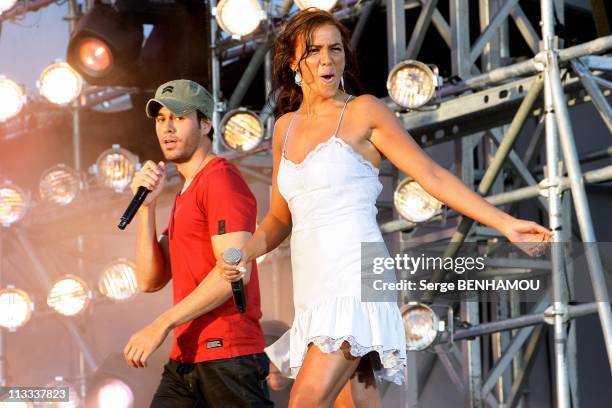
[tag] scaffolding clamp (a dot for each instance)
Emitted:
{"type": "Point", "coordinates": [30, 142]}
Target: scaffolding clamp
{"type": "Point", "coordinates": [552, 311]}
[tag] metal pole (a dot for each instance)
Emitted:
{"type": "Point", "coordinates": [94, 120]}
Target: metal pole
{"type": "Point", "coordinates": [215, 68]}
{"type": "Point", "coordinates": [364, 16]}
{"type": "Point", "coordinates": [528, 67]}
{"type": "Point", "coordinates": [599, 100]}
{"type": "Point", "coordinates": [583, 212]}
{"type": "Point", "coordinates": [559, 304]}
{"type": "Point", "coordinates": [525, 193]}
{"type": "Point", "coordinates": [521, 321]}
{"type": "Point", "coordinates": [249, 74]}
{"type": "Point", "coordinates": [396, 32]}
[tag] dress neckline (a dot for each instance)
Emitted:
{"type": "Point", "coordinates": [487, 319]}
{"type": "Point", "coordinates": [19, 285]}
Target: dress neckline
{"type": "Point", "coordinates": [339, 141]}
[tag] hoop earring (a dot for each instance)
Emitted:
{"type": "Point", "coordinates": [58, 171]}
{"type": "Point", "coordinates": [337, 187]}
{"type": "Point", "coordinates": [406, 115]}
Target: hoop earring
{"type": "Point", "coordinates": [298, 78]}
{"type": "Point", "coordinates": [342, 83]}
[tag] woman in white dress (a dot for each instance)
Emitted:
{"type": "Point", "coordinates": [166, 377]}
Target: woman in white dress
{"type": "Point", "coordinates": [327, 147]}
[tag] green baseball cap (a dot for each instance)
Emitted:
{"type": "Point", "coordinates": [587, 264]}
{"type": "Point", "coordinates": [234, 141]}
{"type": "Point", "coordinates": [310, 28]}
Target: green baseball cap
{"type": "Point", "coordinates": [181, 97]}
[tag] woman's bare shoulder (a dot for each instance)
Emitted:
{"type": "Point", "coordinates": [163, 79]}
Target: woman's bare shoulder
{"type": "Point", "coordinates": [280, 127]}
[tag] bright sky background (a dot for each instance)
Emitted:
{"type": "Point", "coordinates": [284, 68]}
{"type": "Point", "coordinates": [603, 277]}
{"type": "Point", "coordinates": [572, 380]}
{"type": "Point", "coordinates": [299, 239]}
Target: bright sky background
{"type": "Point", "coordinates": [28, 45]}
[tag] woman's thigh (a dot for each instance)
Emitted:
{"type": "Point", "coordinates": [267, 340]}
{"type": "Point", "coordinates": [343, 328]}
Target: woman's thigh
{"type": "Point", "coordinates": [322, 376]}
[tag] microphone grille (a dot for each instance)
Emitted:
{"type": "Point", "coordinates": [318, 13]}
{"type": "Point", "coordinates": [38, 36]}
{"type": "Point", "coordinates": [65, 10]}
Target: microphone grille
{"type": "Point", "coordinates": [232, 256]}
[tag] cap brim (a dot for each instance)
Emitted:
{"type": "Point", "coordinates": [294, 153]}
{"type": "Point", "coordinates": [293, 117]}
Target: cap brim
{"type": "Point", "coordinates": [175, 106]}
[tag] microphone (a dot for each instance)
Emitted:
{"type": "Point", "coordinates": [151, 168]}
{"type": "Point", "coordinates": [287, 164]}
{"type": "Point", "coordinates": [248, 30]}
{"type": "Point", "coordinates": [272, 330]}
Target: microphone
{"type": "Point", "coordinates": [233, 256]}
{"type": "Point", "coordinates": [132, 209]}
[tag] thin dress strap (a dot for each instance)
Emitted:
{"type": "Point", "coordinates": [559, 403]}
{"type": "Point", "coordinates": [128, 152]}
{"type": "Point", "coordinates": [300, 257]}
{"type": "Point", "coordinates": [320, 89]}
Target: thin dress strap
{"type": "Point", "coordinates": [287, 134]}
{"type": "Point", "coordinates": [342, 115]}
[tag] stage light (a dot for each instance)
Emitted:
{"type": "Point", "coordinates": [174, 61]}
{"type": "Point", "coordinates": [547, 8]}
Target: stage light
{"type": "Point", "coordinates": [241, 130]}
{"type": "Point", "coordinates": [6, 5]}
{"type": "Point", "coordinates": [16, 404]}
{"type": "Point", "coordinates": [115, 168]}
{"type": "Point", "coordinates": [15, 308]}
{"type": "Point", "coordinates": [59, 185]}
{"type": "Point", "coordinates": [74, 400]}
{"type": "Point", "coordinates": [113, 384]}
{"type": "Point", "coordinates": [105, 46]}
{"type": "Point", "coordinates": [414, 203]}
{"type": "Point", "coordinates": [411, 84]}
{"type": "Point", "coordinates": [114, 393]}
{"type": "Point", "coordinates": [239, 17]}
{"type": "Point", "coordinates": [69, 295]}
{"type": "Point", "coordinates": [60, 84]}
{"type": "Point", "coordinates": [12, 98]}
{"type": "Point", "coordinates": [422, 326]}
{"type": "Point", "coordinates": [326, 5]}
{"type": "Point", "coordinates": [118, 280]}
{"type": "Point", "coordinates": [13, 204]}
{"type": "Point", "coordinates": [94, 55]}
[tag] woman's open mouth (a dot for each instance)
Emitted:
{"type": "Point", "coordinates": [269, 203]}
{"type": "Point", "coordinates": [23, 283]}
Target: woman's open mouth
{"type": "Point", "coordinates": [328, 78]}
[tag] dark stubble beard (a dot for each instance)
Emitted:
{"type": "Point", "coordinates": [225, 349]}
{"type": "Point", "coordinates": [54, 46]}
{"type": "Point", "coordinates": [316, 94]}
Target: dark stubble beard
{"type": "Point", "coordinates": [185, 155]}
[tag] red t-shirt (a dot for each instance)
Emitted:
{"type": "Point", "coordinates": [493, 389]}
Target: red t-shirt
{"type": "Point", "coordinates": [217, 194]}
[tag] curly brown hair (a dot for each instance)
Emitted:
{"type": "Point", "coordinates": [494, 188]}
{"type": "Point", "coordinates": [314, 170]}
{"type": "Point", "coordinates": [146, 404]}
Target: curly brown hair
{"type": "Point", "coordinates": [302, 25]}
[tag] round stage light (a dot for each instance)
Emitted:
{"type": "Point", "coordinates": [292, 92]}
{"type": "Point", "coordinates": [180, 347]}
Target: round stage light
{"type": "Point", "coordinates": [326, 5]}
{"type": "Point", "coordinates": [74, 400]}
{"type": "Point", "coordinates": [241, 130]}
{"type": "Point", "coordinates": [239, 17]}
{"type": "Point", "coordinates": [95, 57]}
{"type": "Point", "coordinates": [414, 203]}
{"type": "Point", "coordinates": [69, 295]}
{"type": "Point", "coordinates": [16, 404]}
{"type": "Point", "coordinates": [12, 98]}
{"type": "Point", "coordinates": [13, 204]}
{"type": "Point", "coordinates": [118, 280]}
{"type": "Point", "coordinates": [60, 84]}
{"type": "Point", "coordinates": [6, 5]}
{"type": "Point", "coordinates": [59, 185]}
{"type": "Point", "coordinates": [421, 324]}
{"type": "Point", "coordinates": [15, 308]}
{"type": "Point", "coordinates": [112, 392]}
{"type": "Point", "coordinates": [411, 84]}
{"type": "Point", "coordinates": [115, 168]}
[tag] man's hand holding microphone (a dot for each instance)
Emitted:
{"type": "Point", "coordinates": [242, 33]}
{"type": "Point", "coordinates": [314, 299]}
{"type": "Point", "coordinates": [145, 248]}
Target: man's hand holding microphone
{"type": "Point", "coordinates": [146, 186]}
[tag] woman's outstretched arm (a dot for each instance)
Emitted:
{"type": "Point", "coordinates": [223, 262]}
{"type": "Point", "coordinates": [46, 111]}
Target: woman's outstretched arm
{"type": "Point", "coordinates": [392, 140]}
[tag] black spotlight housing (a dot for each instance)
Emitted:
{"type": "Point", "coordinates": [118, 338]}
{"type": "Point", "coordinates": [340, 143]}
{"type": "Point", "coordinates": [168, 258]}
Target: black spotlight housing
{"type": "Point", "coordinates": [108, 46]}
{"type": "Point", "coordinates": [105, 46]}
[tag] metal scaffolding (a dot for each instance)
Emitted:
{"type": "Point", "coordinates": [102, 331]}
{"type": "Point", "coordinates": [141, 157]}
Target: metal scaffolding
{"type": "Point", "coordinates": [489, 99]}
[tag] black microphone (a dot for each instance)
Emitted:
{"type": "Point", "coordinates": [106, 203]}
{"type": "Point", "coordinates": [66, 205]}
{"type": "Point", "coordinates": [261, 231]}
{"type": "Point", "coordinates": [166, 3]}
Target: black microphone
{"type": "Point", "coordinates": [132, 209]}
{"type": "Point", "coordinates": [233, 256]}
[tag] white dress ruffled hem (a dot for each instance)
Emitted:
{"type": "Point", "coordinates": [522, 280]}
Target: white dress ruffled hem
{"type": "Point", "coordinates": [365, 326]}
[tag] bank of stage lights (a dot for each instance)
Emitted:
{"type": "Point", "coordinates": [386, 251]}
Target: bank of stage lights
{"type": "Point", "coordinates": [12, 98]}
{"type": "Point", "coordinates": [15, 308]}
{"type": "Point", "coordinates": [326, 5]}
{"type": "Point", "coordinates": [59, 185]}
{"type": "Point", "coordinates": [415, 204]}
{"type": "Point", "coordinates": [423, 327]}
{"type": "Point", "coordinates": [13, 204]}
{"type": "Point", "coordinates": [412, 84]}
{"type": "Point", "coordinates": [6, 5]}
{"type": "Point", "coordinates": [115, 168]}
{"type": "Point", "coordinates": [69, 295]}
{"type": "Point", "coordinates": [60, 84]}
{"type": "Point", "coordinates": [241, 130]}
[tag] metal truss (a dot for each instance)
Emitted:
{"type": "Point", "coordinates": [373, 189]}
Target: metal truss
{"type": "Point", "coordinates": [495, 101]}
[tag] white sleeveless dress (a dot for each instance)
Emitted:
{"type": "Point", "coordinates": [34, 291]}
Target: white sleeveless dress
{"type": "Point", "coordinates": [332, 195]}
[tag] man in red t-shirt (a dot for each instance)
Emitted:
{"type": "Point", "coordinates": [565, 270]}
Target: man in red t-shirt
{"type": "Point", "coordinates": [217, 354]}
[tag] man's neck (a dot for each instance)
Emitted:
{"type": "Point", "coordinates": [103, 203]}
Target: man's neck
{"type": "Point", "coordinates": [196, 163]}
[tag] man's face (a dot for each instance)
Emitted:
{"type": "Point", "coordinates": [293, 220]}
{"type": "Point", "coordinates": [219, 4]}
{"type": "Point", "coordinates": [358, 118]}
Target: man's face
{"type": "Point", "coordinates": [179, 136]}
